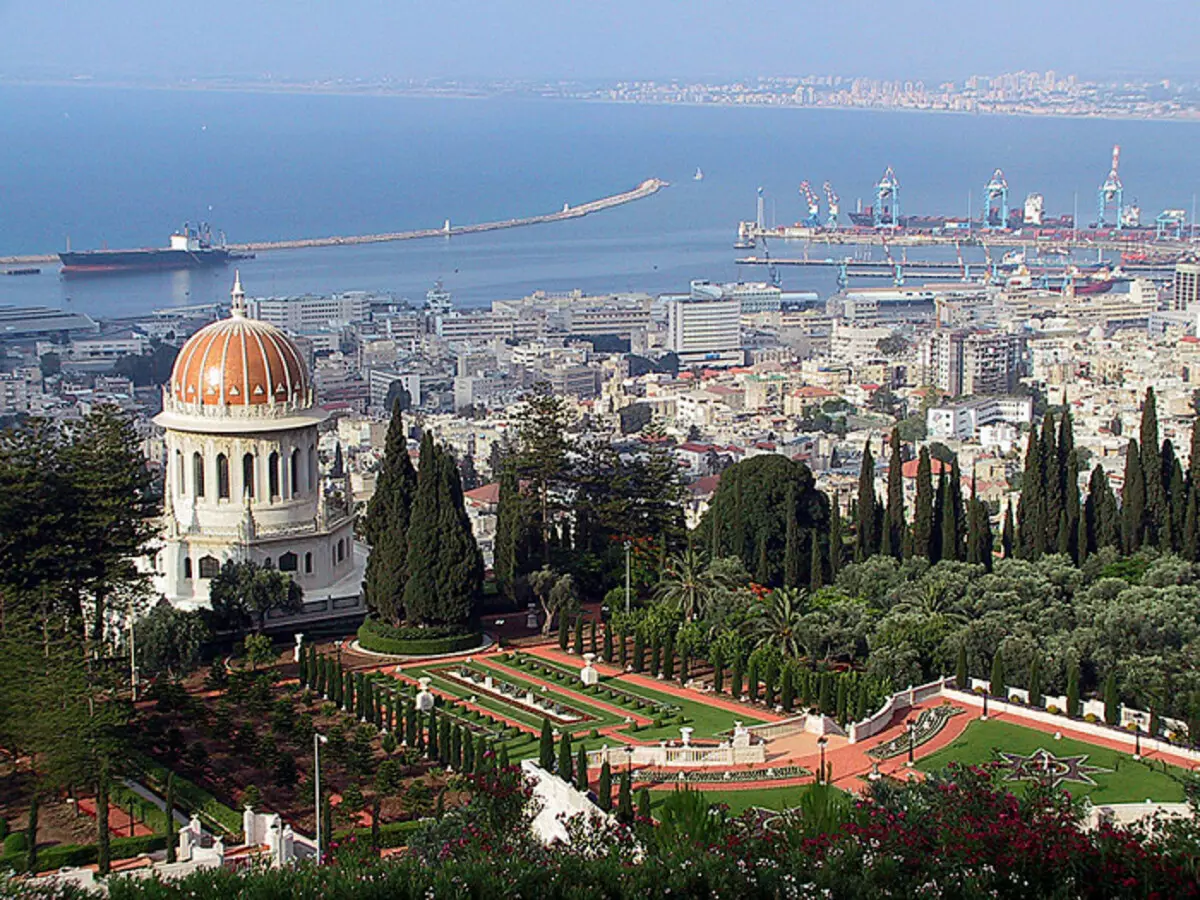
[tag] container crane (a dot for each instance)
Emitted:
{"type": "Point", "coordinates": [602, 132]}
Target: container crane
{"type": "Point", "coordinates": [995, 202]}
{"type": "Point", "coordinates": [1111, 193]}
{"type": "Point", "coordinates": [814, 205]}
{"type": "Point", "coordinates": [831, 201]}
{"type": "Point", "coordinates": [887, 190]}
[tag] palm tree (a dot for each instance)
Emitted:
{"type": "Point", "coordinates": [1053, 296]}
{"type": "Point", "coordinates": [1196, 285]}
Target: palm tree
{"type": "Point", "coordinates": [931, 598]}
{"type": "Point", "coordinates": [690, 584]}
{"type": "Point", "coordinates": [778, 620]}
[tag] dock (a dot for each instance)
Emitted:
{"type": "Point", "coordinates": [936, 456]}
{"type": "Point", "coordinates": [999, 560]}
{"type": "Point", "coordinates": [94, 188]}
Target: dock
{"type": "Point", "coordinates": [647, 188]}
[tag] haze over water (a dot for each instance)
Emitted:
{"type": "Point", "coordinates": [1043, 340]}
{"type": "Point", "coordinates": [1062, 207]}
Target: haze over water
{"type": "Point", "coordinates": [124, 168]}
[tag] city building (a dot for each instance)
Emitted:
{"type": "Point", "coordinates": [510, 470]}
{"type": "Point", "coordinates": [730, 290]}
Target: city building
{"type": "Point", "coordinates": [967, 362]}
{"type": "Point", "coordinates": [311, 312]}
{"type": "Point", "coordinates": [705, 327]}
{"type": "Point", "coordinates": [243, 479]}
{"type": "Point", "coordinates": [1187, 288]}
{"type": "Point", "coordinates": [964, 421]}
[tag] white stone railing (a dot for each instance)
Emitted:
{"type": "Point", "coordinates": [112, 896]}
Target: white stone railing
{"type": "Point", "coordinates": [679, 756]}
{"type": "Point", "coordinates": [906, 699]}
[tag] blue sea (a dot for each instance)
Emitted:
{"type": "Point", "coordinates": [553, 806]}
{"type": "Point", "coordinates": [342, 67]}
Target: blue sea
{"type": "Point", "coordinates": [123, 168]}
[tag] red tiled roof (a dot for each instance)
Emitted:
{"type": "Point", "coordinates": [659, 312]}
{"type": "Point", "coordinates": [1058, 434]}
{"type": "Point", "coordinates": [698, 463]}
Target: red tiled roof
{"type": "Point", "coordinates": [704, 487]}
{"type": "Point", "coordinates": [488, 493]}
{"type": "Point", "coordinates": [936, 467]}
{"type": "Point", "coordinates": [813, 390]}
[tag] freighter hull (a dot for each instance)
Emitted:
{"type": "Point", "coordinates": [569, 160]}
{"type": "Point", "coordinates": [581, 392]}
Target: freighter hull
{"type": "Point", "coordinates": [101, 261]}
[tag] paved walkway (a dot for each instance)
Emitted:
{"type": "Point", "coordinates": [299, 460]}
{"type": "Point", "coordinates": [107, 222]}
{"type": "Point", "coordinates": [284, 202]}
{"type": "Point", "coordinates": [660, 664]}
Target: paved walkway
{"type": "Point", "coordinates": [118, 819]}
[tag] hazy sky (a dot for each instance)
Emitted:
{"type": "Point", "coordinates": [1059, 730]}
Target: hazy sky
{"type": "Point", "coordinates": [931, 39]}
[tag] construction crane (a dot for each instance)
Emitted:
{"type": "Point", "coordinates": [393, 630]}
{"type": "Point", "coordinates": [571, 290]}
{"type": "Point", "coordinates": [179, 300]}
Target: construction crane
{"type": "Point", "coordinates": [887, 190]}
{"type": "Point", "coordinates": [995, 201]}
{"type": "Point", "coordinates": [1111, 193]}
{"type": "Point", "coordinates": [814, 205]}
{"type": "Point", "coordinates": [831, 201]}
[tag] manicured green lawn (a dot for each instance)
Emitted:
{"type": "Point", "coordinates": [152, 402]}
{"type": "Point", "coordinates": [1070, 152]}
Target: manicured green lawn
{"type": "Point", "coordinates": [1126, 781]}
{"type": "Point", "coordinates": [740, 801]}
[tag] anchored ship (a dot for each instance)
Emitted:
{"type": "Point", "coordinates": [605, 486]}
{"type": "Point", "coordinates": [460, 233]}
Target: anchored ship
{"type": "Point", "coordinates": [190, 248]}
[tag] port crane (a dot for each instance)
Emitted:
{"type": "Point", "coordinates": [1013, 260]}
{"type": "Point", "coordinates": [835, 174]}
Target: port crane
{"type": "Point", "coordinates": [995, 201]}
{"type": "Point", "coordinates": [887, 190]}
{"type": "Point", "coordinates": [814, 205]}
{"type": "Point", "coordinates": [831, 201]}
{"type": "Point", "coordinates": [1111, 193]}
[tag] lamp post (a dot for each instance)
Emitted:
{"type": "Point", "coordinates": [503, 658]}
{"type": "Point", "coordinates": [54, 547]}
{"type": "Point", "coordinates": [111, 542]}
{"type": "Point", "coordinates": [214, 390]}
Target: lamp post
{"type": "Point", "coordinates": [1137, 741]}
{"type": "Point", "coordinates": [338, 643]}
{"type": "Point", "coordinates": [912, 731]}
{"type": "Point", "coordinates": [821, 742]}
{"type": "Point", "coordinates": [985, 698]}
{"type": "Point", "coordinates": [629, 763]}
{"type": "Point", "coordinates": [628, 548]}
{"type": "Point", "coordinates": [318, 740]}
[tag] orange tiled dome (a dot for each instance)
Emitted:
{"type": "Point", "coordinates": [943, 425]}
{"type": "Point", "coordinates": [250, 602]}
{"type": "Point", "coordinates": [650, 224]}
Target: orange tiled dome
{"type": "Point", "coordinates": [239, 362]}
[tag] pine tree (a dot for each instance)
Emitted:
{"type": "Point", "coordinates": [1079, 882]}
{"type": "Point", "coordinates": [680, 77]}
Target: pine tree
{"type": "Point", "coordinates": [604, 789]}
{"type": "Point", "coordinates": [516, 533]}
{"type": "Point", "coordinates": [961, 680]}
{"type": "Point", "coordinates": [864, 537]}
{"type": "Point", "coordinates": [625, 801]}
{"type": "Point", "coordinates": [581, 770]}
{"type": "Point", "coordinates": [546, 747]}
{"type": "Point", "coordinates": [816, 565]}
{"type": "Point", "coordinates": [895, 498]}
{"type": "Point", "coordinates": [1112, 700]}
{"type": "Point", "coordinates": [1133, 500]}
{"type": "Point", "coordinates": [385, 525]}
{"type": "Point", "coordinates": [923, 507]}
{"type": "Point", "coordinates": [998, 688]}
{"type": "Point", "coordinates": [1035, 683]}
{"type": "Point", "coordinates": [791, 548]}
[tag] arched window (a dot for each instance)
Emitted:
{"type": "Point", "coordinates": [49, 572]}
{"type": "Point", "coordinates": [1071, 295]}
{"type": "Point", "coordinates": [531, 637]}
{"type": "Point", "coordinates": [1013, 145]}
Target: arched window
{"type": "Point", "coordinates": [341, 550]}
{"type": "Point", "coordinates": [312, 467]}
{"type": "Point", "coordinates": [180, 475]}
{"type": "Point", "coordinates": [209, 567]}
{"type": "Point", "coordinates": [222, 478]}
{"type": "Point", "coordinates": [187, 568]}
{"type": "Point", "coordinates": [198, 473]}
{"type": "Point", "coordinates": [308, 563]}
{"type": "Point", "coordinates": [248, 474]}
{"type": "Point", "coordinates": [273, 475]}
{"type": "Point", "coordinates": [295, 472]}
{"type": "Point", "coordinates": [288, 561]}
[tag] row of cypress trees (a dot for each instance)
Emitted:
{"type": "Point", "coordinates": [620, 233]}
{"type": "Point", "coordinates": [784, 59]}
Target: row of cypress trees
{"type": "Point", "coordinates": [425, 567]}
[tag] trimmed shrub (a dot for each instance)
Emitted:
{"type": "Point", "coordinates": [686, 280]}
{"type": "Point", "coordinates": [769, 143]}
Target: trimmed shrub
{"type": "Point", "coordinates": [379, 637]}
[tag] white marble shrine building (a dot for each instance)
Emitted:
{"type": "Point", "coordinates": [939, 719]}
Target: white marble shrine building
{"type": "Point", "coordinates": [243, 476]}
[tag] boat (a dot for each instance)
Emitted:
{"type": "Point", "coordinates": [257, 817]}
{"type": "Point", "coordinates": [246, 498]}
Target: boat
{"type": "Point", "coordinates": [699, 176]}
{"type": "Point", "coordinates": [189, 248]}
{"type": "Point", "coordinates": [27, 271]}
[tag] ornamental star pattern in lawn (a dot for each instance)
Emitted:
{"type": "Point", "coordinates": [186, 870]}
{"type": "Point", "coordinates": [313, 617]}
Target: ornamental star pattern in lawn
{"type": "Point", "coordinates": [1051, 770]}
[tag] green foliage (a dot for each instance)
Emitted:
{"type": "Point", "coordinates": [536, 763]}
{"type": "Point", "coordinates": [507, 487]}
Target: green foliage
{"type": "Point", "coordinates": [385, 525]}
{"type": "Point", "coordinates": [245, 592]}
{"type": "Point", "coordinates": [379, 637]}
{"type": "Point", "coordinates": [546, 747]}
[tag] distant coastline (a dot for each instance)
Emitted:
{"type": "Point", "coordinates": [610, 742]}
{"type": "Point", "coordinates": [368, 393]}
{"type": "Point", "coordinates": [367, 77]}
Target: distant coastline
{"type": "Point", "coordinates": [481, 94]}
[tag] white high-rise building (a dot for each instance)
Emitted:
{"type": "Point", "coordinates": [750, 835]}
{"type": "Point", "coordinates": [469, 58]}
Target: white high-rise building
{"type": "Point", "coordinates": [705, 328]}
{"type": "Point", "coordinates": [243, 479]}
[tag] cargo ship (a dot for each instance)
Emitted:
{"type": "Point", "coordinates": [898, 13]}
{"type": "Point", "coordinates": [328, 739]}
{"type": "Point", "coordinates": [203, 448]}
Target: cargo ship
{"type": "Point", "coordinates": [190, 248]}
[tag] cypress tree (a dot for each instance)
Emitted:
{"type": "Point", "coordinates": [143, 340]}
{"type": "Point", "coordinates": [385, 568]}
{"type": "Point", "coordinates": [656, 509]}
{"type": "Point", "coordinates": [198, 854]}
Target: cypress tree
{"type": "Point", "coordinates": [348, 693]}
{"type": "Point", "coordinates": [456, 739]}
{"type": "Point", "coordinates": [752, 679]}
{"type": "Point", "coordinates": [1133, 500]}
{"type": "Point", "coordinates": [592, 638]}
{"type": "Point", "coordinates": [102, 835]}
{"type": "Point", "coordinates": [431, 745]}
{"type": "Point", "coordinates": [581, 770]}
{"type": "Point", "coordinates": [564, 757]}
{"type": "Point", "coordinates": [502, 757]}
{"type": "Point", "coordinates": [1101, 514]}
{"type": "Point", "coordinates": [410, 725]}
{"type": "Point", "coordinates": [923, 508]}
{"type": "Point", "coordinates": [895, 498]}
{"type": "Point", "coordinates": [1073, 691]}
{"type": "Point", "coordinates": [815, 565]}
{"type": "Point", "coordinates": [468, 757]}
{"type": "Point", "coordinates": [655, 654]}
{"type": "Point", "coordinates": [840, 703]}
{"type": "Point", "coordinates": [1062, 537]}
{"type": "Point", "coordinates": [836, 541]}
{"type": "Point", "coordinates": [625, 801]}
{"type": "Point", "coordinates": [1035, 683]}
{"type": "Point", "coordinates": [1081, 541]}
{"type": "Point", "coordinates": [1007, 533]}
{"type": "Point", "coordinates": [303, 674]}
{"type": "Point", "coordinates": [1176, 497]}
{"type": "Point", "coordinates": [31, 833]}
{"type": "Point", "coordinates": [864, 537]}
{"type": "Point", "coordinates": [949, 548]}
{"type": "Point", "coordinates": [1030, 506]}
{"type": "Point", "coordinates": [326, 827]}
{"type": "Point", "coordinates": [172, 842]}
{"type": "Point", "coordinates": [444, 742]}
{"type": "Point", "coordinates": [1112, 700]}
{"type": "Point", "coordinates": [1191, 536]}
{"type": "Point", "coordinates": [735, 677]}
{"type": "Point", "coordinates": [787, 687]}
{"type": "Point", "coordinates": [1071, 504]}
{"type": "Point", "coordinates": [564, 635]}
{"type": "Point", "coordinates": [959, 510]}
{"type": "Point", "coordinates": [606, 652]}
{"type": "Point", "coordinates": [639, 650]}
{"type": "Point", "coordinates": [1052, 485]}
{"type": "Point", "coordinates": [791, 546]}
{"type": "Point", "coordinates": [546, 747]}
{"type": "Point", "coordinates": [823, 693]}
{"type": "Point", "coordinates": [762, 569]}
{"type": "Point", "coordinates": [385, 525]}
{"type": "Point", "coordinates": [577, 644]}
{"type": "Point", "coordinates": [604, 789]}
{"type": "Point", "coordinates": [885, 541]}
{"type": "Point", "coordinates": [961, 679]}
{"type": "Point", "coordinates": [510, 553]}
{"type": "Point", "coordinates": [668, 668]}
{"type": "Point", "coordinates": [643, 804]}
{"type": "Point", "coordinates": [998, 688]}
{"type": "Point", "coordinates": [685, 656]}
{"type": "Point", "coordinates": [1152, 474]}
{"type": "Point", "coordinates": [622, 649]}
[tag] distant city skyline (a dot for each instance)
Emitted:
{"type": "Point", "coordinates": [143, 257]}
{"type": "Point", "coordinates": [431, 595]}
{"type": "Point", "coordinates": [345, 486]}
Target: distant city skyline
{"type": "Point", "coordinates": [931, 40]}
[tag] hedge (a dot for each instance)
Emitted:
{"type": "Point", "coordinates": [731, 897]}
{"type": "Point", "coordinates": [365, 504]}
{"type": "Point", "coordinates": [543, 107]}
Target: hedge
{"type": "Point", "coordinates": [391, 834]}
{"type": "Point", "coordinates": [51, 858]}
{"type": "Point", "coordinates": [381, 638]}
{"type": "Point", "coordinates": [192, 798]}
